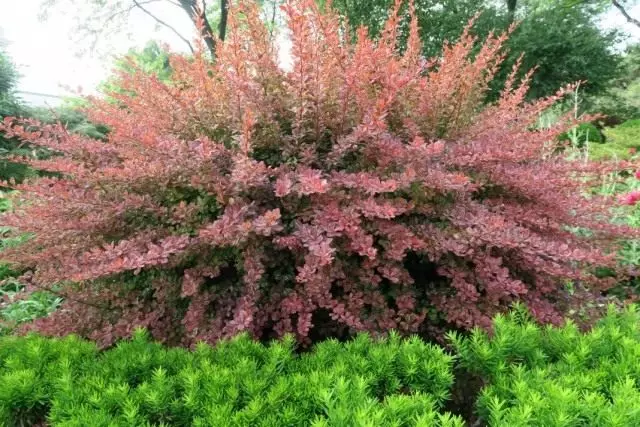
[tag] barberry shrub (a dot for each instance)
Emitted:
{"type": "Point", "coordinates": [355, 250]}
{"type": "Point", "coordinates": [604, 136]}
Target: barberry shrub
{"type": "Point", "coordinates": [240, 383]}
{"type": "Point", "coordinates": [363, 189]}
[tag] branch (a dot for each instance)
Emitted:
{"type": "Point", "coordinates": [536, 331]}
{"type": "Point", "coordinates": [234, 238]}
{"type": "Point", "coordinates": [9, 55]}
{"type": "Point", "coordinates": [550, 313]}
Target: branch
{"type": "Point", "coordinates": [127, 10]}
{"type": "Point", "coordinates": [161, 22]}
{"type": "Point", "coordinates": [625, 14]}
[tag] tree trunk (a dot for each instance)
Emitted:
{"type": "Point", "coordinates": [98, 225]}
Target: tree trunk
{"type": "Point", "coordinates": [511, 9]}
{"type": "Point", "coordinates": [224, 14]}
{"type": "Point", "coordinates": [198, 16]}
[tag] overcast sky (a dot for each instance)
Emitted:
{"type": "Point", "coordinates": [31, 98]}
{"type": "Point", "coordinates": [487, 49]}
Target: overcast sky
{"type": "Point", "coordinates": [45, 52]}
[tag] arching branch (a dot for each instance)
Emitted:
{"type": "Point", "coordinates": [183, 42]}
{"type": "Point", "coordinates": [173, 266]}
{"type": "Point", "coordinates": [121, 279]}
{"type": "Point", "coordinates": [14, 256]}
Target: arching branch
{"type": "Point", "coordinates": [622, 10]}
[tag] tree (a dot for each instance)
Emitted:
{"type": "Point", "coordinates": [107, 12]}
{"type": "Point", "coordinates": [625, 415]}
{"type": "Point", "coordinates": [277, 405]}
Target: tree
{"type": "Point", "coordinates": [152, 59]}
{"type": "Point", "coordinates": [621, 100]}
{"type": "Point", "coordinates": [438, 20]}
{"type": "Point", "coordinates": [8, 80]}
{"type": "Point", "coordinates": [619, 5]}
{"type": "Point", "coordinates": [8, 76]}
{"type": "Point", "coordinates": [565, 45]}
{"type": "Point", "coordinates": [10, 105]}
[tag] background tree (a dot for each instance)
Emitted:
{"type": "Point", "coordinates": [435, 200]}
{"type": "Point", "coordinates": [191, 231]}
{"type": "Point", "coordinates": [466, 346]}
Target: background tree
{"type": "Point", "coordinates": [439, 20]}
{"type": "Point", "coordinates": [621, 100]}
{"type": "Point", "coordinates": [9, 106]}
{"type": "Point", "coordinates": [621, 6]}
{"type": "Point", "coordinates": [565, 45]}
{"type": "Point", "coordinates": [8, 78]}
{"type": "Point", "coordinates": [152, 59]}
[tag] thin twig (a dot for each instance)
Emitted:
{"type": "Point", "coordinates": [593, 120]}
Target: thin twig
{"type": "Point", "coordinates": [273, 19]}
{"type": "Point", "coordinates": [159, 21]}
{"type": "Point", "coordinates": [127, 10]}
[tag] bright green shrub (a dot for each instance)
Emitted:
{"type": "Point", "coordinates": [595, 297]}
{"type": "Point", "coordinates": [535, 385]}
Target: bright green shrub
{"type": "Point", "coordinates": [31, 369]}
{"type": "Point", "coordinates": [543, 376]}
{"type": "Point", "coordinates": [581, 134]}
{"type": "Point", "coordinates": [532, 376]}
{"type": "Point", "coordinates": [627, 134]}
{"type": "Point", "coordinates": [623, 141]}
{"type": "Point", "coordinates": [237, 383]}
{"type": "Point", "coordinates": [630, 124]}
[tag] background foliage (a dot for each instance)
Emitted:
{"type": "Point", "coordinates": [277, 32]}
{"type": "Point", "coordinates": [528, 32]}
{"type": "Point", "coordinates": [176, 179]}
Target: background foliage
{"type": "Point", "coordinates": [621, 100]}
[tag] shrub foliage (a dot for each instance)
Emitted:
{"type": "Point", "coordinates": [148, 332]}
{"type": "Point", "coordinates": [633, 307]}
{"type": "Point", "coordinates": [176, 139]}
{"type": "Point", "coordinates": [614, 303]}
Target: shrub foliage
{"type": "Point", "coordinates": [237, 383]}
{"type": "Point", "coordinates": [556, 376]}
{"type": "Point", "coordinates": [531, 376]}
{"type": "Point", "coordinates": [364, 189]}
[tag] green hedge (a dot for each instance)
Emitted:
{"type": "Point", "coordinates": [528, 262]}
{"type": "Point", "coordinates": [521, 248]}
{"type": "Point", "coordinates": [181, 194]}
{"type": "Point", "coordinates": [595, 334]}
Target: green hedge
{"type": "Point", "coordinates": [532, 376]}
{"type": "Point", "coordinates": [622, 142]}
{"type": "Point", "coordinates": [237, 383]}
{"type": "Point", "coordinates": [556, 376]}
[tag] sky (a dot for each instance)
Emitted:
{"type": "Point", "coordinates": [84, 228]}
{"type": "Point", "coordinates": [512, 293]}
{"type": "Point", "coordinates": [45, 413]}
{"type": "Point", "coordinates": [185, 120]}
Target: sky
{"type": "Point", "coordinates": [46, 51]}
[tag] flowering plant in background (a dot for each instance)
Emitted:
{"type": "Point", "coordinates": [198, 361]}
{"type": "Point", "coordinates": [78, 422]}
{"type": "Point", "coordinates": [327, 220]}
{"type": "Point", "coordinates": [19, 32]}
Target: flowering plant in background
{"type": "Point", "coordinates": [367, 189]}
{"type": "Point", "coordinates": [630, 198]}
{"type": "Point", "coordinates": [633, 197]}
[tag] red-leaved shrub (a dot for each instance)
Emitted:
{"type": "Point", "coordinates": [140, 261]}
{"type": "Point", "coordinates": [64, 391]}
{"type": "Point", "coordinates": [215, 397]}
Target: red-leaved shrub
{"type": "Point", "coordinates": [364, 189]}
